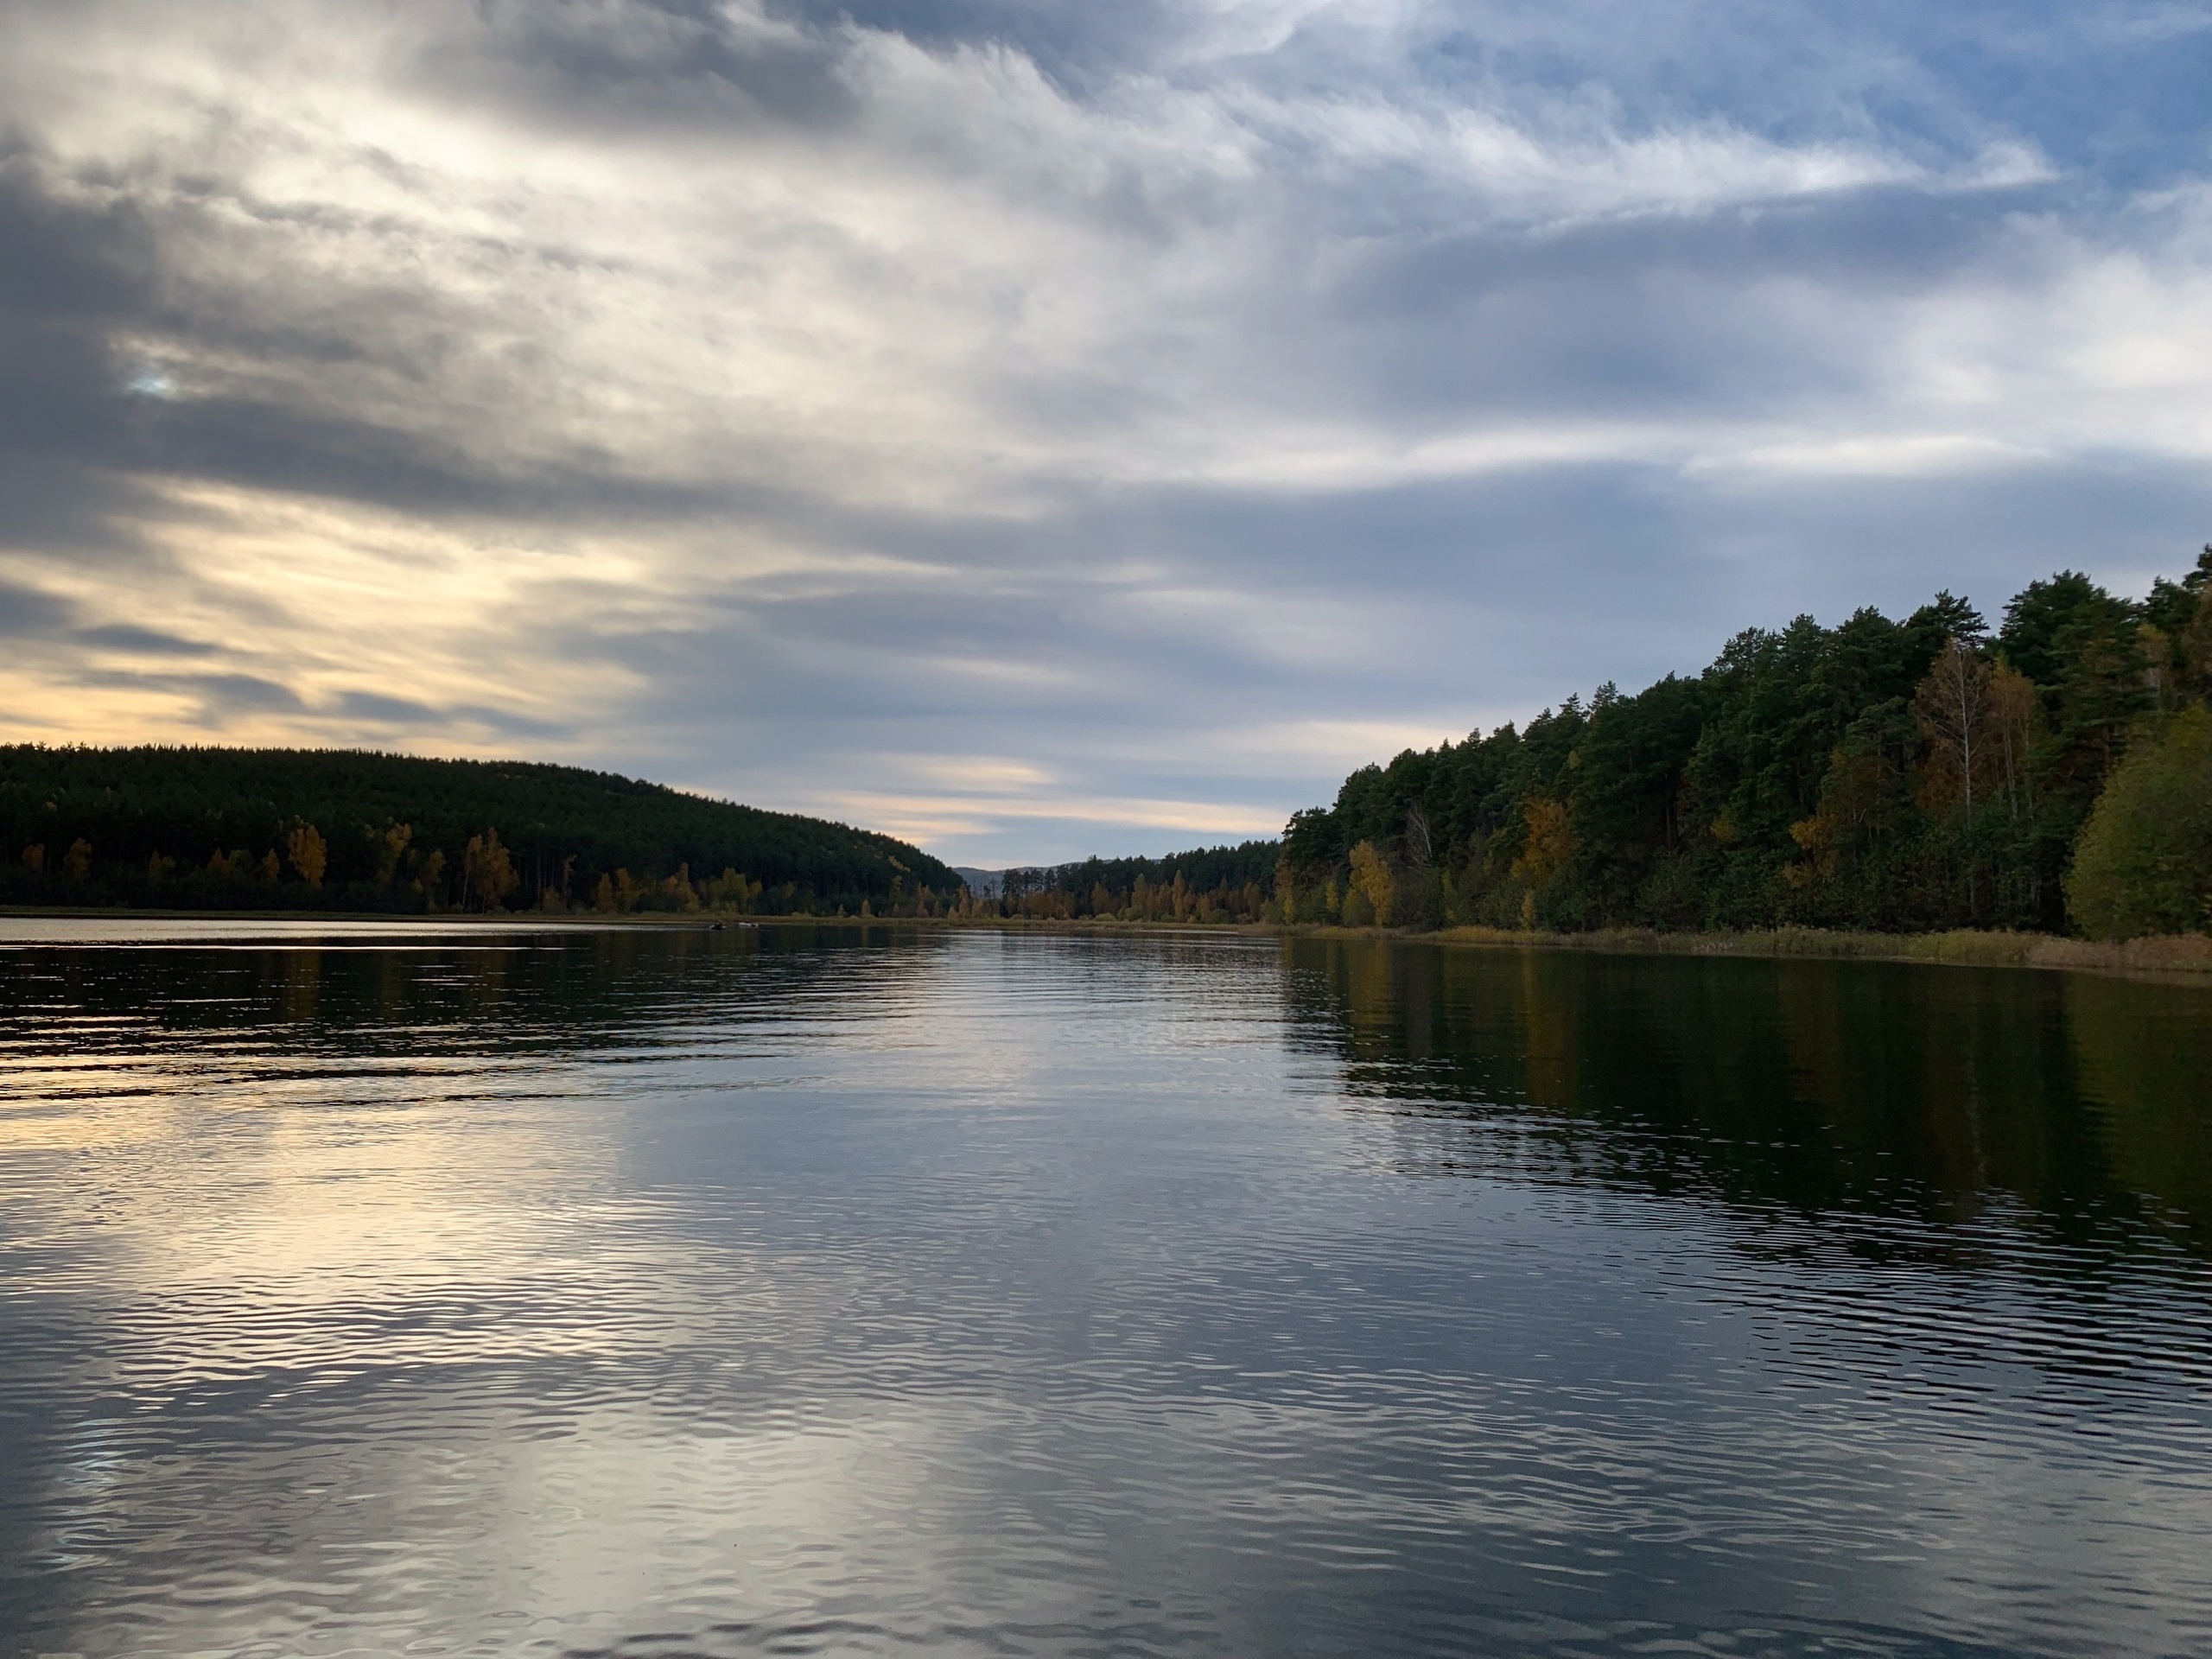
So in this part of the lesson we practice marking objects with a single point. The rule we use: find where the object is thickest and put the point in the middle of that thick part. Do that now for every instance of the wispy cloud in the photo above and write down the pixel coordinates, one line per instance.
(767, 397)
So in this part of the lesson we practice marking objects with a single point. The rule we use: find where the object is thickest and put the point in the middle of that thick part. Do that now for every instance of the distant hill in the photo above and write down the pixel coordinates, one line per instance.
(335, 829)
(1205, 884)
(1202, 869)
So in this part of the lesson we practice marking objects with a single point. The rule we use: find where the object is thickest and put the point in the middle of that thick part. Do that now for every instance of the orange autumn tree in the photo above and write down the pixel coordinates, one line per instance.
(307, 853)
(487, 874)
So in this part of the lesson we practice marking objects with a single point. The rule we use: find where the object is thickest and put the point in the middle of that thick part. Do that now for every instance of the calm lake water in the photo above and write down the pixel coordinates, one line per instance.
(779, 1291)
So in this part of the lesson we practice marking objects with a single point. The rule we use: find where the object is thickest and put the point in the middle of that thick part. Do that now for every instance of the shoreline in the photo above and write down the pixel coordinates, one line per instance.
(2185, 956)
(2170, 955)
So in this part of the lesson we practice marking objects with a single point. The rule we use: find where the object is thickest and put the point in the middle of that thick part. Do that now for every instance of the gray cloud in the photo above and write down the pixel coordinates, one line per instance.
(1021, 425)
(26, 610)
(149, 642)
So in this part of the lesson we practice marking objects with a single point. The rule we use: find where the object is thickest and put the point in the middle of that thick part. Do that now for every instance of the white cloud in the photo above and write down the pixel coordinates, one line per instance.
(542, 367)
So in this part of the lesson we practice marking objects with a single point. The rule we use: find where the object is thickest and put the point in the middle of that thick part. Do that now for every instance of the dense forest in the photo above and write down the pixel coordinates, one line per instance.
(1898, 776)
(295, 829)
(1213, 884)
(1891, 776)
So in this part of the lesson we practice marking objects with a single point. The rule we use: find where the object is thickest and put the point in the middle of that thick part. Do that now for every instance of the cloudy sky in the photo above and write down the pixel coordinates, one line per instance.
(1047, 428)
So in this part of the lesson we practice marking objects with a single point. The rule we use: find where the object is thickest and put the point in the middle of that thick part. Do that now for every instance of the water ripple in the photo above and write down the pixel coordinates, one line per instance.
(657, 1293)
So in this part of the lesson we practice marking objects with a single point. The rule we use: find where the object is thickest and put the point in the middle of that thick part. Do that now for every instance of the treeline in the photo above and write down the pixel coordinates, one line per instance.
(1210, 884)
(1897, 776)
(301, 828)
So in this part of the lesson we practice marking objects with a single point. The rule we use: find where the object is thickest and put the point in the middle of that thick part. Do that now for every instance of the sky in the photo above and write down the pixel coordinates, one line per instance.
(1044, 428)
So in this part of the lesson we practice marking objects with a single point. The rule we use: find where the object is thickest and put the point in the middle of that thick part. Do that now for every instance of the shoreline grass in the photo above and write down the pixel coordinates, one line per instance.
(2182, 954)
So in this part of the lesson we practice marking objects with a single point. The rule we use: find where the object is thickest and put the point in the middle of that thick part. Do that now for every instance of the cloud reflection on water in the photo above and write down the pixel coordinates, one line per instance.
(864, 1290)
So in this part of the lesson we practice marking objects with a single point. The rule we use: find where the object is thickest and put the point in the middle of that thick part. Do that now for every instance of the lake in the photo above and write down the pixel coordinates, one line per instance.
(652, 1292)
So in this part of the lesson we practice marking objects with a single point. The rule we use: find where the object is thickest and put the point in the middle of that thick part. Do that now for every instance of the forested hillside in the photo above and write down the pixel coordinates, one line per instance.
(1208, 884)
(322, 828)
(1885, 775)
